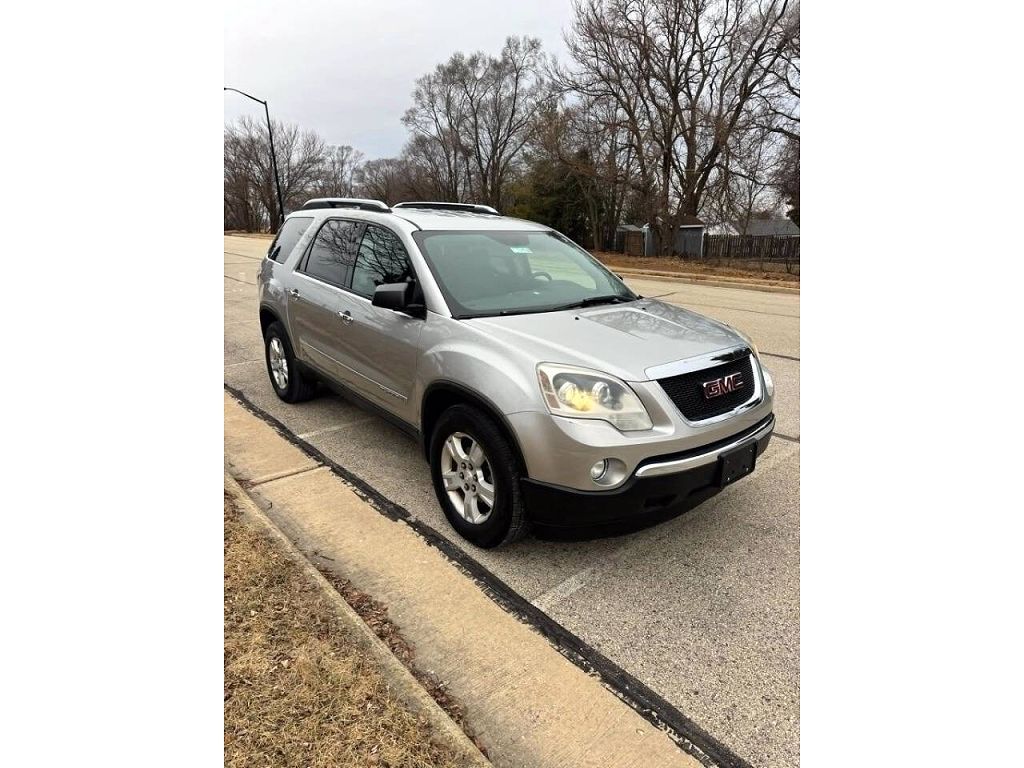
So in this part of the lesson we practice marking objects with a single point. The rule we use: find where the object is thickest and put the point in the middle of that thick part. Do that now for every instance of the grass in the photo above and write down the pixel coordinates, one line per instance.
(666, 264)
(296, 691)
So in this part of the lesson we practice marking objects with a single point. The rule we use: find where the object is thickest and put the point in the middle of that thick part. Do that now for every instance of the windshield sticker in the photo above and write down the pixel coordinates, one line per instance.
(520, 249)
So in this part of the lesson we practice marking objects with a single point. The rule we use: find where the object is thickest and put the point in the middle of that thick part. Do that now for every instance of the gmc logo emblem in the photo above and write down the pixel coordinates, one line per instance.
(723, 386)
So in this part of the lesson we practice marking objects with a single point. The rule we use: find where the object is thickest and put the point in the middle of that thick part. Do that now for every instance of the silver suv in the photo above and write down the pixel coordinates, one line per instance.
(541, 388)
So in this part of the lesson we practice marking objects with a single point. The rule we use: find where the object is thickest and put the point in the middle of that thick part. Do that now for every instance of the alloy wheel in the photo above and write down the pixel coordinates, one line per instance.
(278, 363)
(468, 479)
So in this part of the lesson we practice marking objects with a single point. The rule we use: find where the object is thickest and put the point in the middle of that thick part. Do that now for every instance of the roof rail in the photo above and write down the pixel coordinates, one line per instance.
(468, 207)
(346, 202)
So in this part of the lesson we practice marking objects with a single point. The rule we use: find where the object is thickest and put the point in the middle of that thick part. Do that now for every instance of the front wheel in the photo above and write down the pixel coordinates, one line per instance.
(476, 478)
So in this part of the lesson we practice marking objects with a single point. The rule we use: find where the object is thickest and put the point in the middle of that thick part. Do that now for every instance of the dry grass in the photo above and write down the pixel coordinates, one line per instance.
(243, 233)
(663, 264)
(296, 692)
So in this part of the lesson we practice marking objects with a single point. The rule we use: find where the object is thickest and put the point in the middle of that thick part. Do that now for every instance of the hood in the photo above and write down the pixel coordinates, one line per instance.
(623, 340)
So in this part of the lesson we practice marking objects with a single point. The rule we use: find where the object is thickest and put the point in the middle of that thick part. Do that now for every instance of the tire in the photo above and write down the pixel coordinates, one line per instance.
(502, 521)
(296, 385)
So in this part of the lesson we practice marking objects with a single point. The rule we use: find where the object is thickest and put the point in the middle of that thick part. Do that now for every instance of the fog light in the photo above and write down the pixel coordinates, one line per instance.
(769, 383)
(597, 471)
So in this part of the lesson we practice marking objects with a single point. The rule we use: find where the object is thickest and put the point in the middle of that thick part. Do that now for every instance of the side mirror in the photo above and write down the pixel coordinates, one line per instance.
(398, 297)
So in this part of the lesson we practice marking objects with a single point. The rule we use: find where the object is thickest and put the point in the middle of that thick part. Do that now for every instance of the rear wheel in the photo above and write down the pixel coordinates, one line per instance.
(476, 477)
(289, 382)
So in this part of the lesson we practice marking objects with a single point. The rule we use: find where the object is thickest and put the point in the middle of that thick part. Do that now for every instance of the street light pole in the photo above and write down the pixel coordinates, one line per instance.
(273, 155)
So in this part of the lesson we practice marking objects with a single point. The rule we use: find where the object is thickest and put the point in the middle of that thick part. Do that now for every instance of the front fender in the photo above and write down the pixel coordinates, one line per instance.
(455, 353)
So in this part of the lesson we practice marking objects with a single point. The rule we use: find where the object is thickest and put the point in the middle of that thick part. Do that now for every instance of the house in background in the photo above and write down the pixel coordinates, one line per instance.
(771, 228)
(755, 228)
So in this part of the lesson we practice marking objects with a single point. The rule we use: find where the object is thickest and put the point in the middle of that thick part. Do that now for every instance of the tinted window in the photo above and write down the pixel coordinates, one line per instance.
(287, 237)
(334, 252)
(382, 259)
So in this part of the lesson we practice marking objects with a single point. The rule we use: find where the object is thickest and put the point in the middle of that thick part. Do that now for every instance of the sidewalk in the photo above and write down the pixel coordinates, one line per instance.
(526, 703)
(717, 281)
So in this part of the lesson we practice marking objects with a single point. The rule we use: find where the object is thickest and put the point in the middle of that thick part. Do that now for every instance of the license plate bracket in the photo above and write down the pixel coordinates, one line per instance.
(737, 463)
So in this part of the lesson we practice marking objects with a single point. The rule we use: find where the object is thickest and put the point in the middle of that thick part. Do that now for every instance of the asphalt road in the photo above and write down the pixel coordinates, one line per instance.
(704, 609)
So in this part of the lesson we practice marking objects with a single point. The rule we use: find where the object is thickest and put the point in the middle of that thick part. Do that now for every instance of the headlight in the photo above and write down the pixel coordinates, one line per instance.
(582, 394)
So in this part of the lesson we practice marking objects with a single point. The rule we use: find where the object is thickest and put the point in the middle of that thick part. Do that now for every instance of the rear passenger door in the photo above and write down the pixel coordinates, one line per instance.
(318, 299)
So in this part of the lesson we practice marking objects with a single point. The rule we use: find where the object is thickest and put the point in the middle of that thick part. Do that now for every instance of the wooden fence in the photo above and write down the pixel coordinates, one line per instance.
(747, 248)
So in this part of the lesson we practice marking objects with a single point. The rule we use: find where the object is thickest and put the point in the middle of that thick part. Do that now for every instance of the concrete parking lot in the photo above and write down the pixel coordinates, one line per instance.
(704, 609)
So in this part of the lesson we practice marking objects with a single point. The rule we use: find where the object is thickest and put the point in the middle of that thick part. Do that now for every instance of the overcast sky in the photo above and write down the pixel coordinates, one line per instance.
(346, 68)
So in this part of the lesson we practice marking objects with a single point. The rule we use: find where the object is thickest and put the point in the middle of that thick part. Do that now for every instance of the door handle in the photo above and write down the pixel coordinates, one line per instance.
(346, 317)
(294, 293)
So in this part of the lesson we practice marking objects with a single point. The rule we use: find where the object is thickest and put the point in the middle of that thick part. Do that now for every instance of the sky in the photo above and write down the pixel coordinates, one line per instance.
(347, 68)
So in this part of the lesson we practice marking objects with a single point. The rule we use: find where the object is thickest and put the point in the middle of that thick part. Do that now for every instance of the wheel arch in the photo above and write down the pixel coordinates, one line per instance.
(269, 315)
(442, 395)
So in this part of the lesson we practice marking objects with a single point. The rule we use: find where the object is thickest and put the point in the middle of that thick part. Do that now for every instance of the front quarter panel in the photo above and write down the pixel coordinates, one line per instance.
(453, 352)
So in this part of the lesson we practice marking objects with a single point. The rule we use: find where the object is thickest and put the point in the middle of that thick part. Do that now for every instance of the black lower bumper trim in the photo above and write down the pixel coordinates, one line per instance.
(639, 498)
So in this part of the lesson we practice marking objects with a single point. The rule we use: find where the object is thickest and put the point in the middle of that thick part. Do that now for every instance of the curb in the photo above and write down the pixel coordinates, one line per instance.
(688, 737)
(696, 279)
(400, 680)
(251, 235)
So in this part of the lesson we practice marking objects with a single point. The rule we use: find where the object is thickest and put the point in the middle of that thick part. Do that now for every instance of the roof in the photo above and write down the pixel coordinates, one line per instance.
(722, 228)
(445, 206)
(630, 228)
(686, 220)
(418, 218)
(428, 219)
(771, 227)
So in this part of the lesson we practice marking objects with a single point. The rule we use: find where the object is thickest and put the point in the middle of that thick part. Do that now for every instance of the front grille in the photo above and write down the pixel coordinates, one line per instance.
(687, 390)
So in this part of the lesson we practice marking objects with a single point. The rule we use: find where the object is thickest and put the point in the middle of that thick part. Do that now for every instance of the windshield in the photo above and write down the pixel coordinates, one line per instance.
(504, 273)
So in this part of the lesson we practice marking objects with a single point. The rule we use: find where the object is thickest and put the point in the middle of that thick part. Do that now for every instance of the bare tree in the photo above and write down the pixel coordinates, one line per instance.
(746, 180)
(683, 76)
(248, 169)
(787, 179)
(472, 116)
(503, 96)
(381, 179)
(585, 143)
(337, 171)
(436, 120)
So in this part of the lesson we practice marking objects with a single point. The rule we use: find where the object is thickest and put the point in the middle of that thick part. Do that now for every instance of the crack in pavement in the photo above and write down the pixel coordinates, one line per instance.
(281, 476)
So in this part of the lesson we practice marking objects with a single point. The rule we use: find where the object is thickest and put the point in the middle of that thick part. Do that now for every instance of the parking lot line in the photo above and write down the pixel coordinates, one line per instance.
(562, 590)
(335, 427)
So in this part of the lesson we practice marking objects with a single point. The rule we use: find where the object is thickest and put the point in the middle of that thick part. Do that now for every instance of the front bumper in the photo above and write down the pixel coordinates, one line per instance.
(659, 487)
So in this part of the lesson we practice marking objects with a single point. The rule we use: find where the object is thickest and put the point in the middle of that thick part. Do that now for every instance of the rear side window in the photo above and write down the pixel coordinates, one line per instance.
(382, 259)
(287, 237)
(334, 252)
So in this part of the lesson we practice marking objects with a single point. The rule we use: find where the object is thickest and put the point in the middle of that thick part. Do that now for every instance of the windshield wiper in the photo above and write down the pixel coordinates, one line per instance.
(594, 301)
